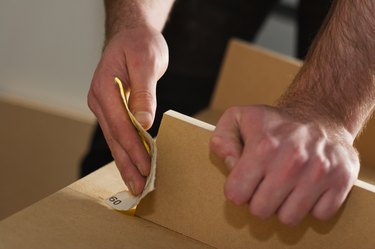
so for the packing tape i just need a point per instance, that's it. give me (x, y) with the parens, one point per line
(125, 200)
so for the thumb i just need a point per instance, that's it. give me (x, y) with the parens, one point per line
(142, 103)
(226, 141)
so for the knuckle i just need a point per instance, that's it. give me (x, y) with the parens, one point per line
(288, 219)
(94, 88)
(122, 167)
(295, 163)
(315, 131)
(143, 96)
(128, 172)
(91, 103)
(132, 150)
(266, 145)
(298, 155)
(293, 213)
(345, 175)
(323, 214)
(259, 210)
(231, 194)
(344, 178)
(218, 146)
(124, 172)
(148, 57)
(233, 111)
(91, 99)
(93, 95)
(321, 168)
(127, 142)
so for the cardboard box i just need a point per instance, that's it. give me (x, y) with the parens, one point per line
(189, 199)
(40, 151)
(188, 208)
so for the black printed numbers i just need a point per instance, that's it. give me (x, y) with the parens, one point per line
(114, 200)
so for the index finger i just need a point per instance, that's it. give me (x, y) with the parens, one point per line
(123, 131)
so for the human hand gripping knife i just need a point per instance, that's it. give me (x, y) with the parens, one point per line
(125, 200)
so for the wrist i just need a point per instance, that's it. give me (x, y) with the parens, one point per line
(139, 32)
(306, 102)
(336, 83)
(316, 116)
(131, 14)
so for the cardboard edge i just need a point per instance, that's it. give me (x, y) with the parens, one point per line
(365, 185)
(358, 183)
(265, 51)
(190, 120)
(165, 210)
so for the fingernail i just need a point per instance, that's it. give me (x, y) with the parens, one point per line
(143, 171)
(144, 118)
(130, 185)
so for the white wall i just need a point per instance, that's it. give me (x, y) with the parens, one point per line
(49, 50)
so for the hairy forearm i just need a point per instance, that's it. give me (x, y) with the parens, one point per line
(132, 13)
(336, 83)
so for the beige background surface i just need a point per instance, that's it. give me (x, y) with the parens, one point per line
(40, 152)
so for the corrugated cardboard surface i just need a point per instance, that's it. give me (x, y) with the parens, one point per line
(189, 199)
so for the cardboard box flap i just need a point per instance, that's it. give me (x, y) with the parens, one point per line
(189, 199)
(74, 219)
(251, 75)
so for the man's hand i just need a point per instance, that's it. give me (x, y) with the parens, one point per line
(279, 165)
(298, 158)
(139, 57)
